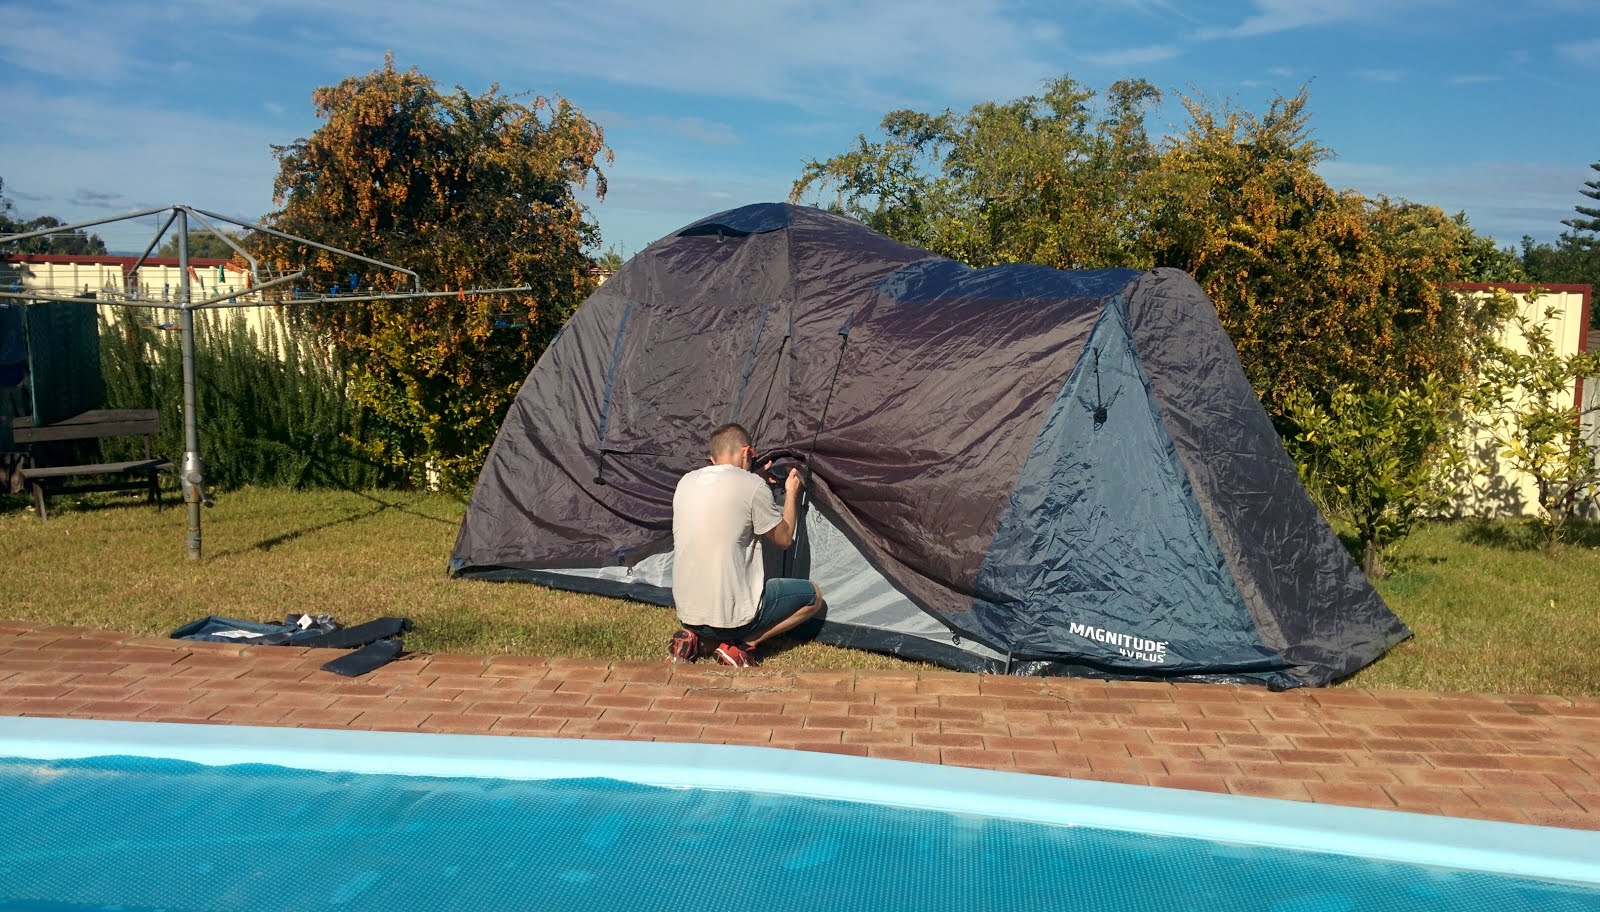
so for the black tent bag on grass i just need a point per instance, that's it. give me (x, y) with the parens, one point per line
(1014, 469)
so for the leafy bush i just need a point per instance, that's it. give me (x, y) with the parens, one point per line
(272, 407)
(1377, 457)
(1526, 405)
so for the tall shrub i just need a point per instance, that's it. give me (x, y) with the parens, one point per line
(272, 407)
(470, 191)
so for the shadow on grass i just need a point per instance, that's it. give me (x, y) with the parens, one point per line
(1398, 564)
(1505, 534)
(89, 502)
(1583, 534)
(387, 505)
(294, 534)
(333, 483)
(800, 636)
(380, 507)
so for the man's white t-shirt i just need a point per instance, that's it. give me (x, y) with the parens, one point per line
(718, 514)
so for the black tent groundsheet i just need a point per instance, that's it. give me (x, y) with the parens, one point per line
(1012, 469)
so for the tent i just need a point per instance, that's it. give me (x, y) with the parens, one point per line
(1014, 469)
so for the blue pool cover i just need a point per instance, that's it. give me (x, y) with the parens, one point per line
(137, 834)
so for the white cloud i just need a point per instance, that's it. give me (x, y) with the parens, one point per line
(1467, 79)
(648, 206)
(54, 42)
(1503, 199)
(93, 157)
(1385, 76)
(1154, 53)
(684, 195)
(1581, 52)
(1274, 16)
(696, 129)
(810, 53)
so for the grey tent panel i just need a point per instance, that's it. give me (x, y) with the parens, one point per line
(863, 607)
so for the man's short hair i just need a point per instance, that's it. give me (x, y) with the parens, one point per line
(726, 440)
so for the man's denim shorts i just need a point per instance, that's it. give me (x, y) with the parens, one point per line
(779, 601)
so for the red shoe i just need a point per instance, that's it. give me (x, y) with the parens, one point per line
(685, 647)
(739, 655)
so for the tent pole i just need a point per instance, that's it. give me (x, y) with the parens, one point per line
(805, 493)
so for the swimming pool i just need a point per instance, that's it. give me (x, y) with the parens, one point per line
(154, 815)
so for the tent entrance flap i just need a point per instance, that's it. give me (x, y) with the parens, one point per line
(1102, 554)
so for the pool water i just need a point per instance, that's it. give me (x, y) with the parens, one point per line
(136, 834)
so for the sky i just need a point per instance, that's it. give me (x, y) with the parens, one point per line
(108, 107)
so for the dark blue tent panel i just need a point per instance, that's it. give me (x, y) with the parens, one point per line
(1102, 552)
(1012, 469)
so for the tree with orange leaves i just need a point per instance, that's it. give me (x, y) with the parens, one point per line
(470, 191)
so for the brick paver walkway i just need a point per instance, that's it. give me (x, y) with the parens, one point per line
(1526, 759)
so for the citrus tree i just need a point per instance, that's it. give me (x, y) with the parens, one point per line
(1381, 458)
(1527, 406)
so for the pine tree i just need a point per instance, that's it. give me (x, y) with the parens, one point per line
(1591, 220)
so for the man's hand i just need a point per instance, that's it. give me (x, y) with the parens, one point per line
(783, 533)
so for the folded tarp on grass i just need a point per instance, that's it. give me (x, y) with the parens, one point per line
(373, 644)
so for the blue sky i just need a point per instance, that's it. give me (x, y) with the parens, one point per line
(108, 107)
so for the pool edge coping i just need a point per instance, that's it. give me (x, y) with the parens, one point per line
(1510, 849)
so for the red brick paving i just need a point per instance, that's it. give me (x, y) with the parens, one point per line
(1524, 758)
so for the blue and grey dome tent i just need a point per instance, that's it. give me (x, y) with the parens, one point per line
(1012, 469)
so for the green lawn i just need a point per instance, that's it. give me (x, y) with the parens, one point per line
(118, 564)
(1489, 612)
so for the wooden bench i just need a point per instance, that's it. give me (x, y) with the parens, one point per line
(110, 476)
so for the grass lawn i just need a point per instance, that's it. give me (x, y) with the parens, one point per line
(117, 564)
(1489, 612)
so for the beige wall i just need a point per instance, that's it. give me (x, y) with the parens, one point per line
(1502, 490)
(107, 279)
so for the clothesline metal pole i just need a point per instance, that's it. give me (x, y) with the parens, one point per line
(192, 478)
(192, 474)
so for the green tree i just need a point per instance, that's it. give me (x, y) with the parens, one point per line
(1525, 403)
(272, 405)
(1054, 178)
(1316, 287)
(1571, 260)
(1378, 457)
(1590, 220)
(468, 191)
(609, 260)
(71, 242)
(202, 245)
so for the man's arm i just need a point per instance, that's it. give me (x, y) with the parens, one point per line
(782, 534)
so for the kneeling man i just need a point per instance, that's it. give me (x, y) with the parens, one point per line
(719, 513)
